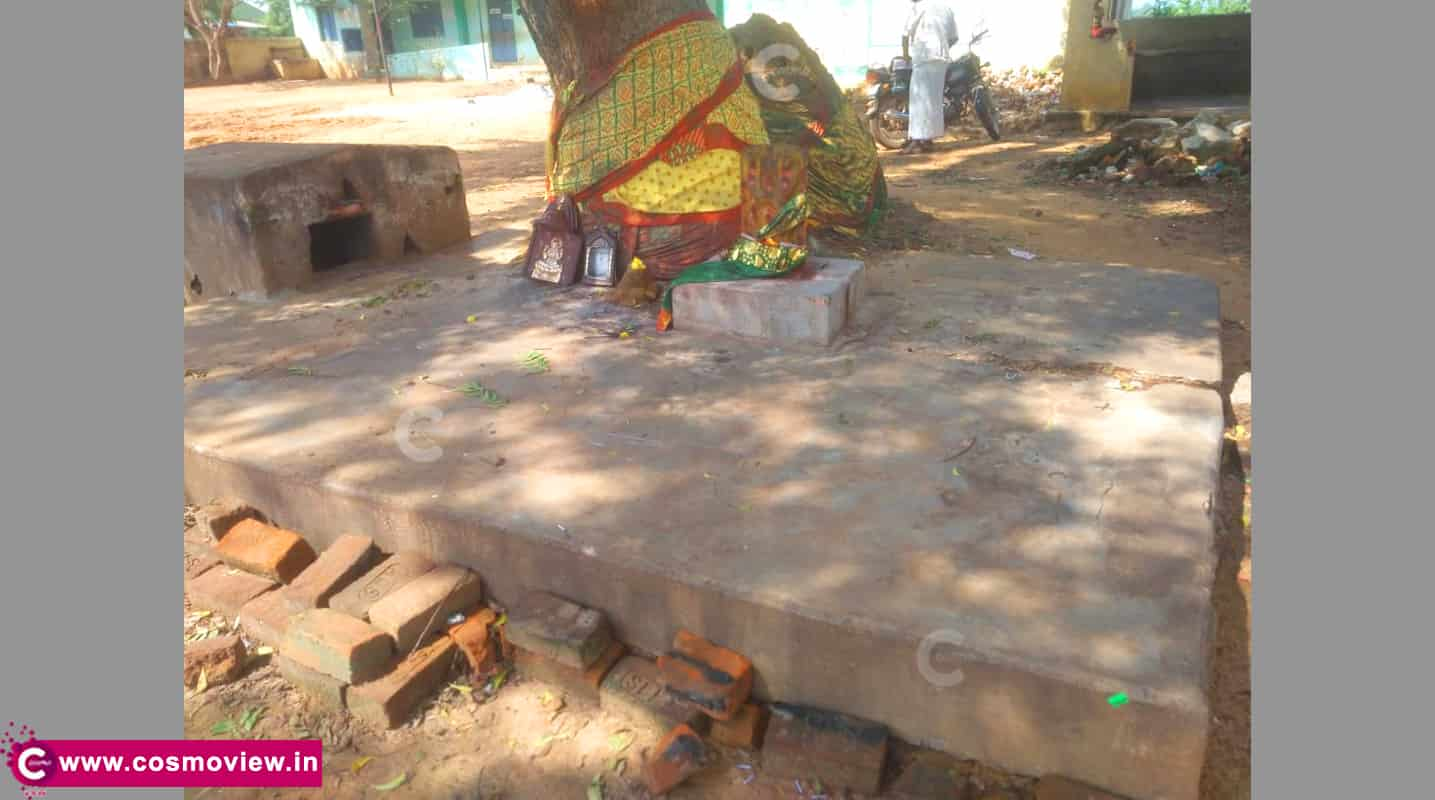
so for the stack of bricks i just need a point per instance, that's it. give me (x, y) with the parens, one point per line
(354, 630)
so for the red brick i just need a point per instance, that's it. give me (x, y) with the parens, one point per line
(265, 550)
(226, 590)
(473, 639)
(581, 685)
(338, 645)
(839, 750)
(676, 758)
(1055, 787)
(745, 730)
(377, 583)
(221, 659)
(559, 630)
(930, 775)
(199, 557)
(714, 679)
(346, 560)
(388, 701)
(214, 519)
(634, 689)
(327, 692)
(265, 619)
(416, 612)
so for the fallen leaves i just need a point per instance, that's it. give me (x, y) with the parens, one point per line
(391, 785)
(359, 763)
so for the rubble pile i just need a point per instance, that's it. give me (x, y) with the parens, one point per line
(1210, 147)
(1024, 96)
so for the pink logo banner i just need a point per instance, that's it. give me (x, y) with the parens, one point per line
(78, 763)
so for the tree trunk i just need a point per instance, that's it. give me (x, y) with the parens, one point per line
(583, 38)
(218, 57)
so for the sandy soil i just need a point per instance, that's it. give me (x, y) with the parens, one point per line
(972, 196)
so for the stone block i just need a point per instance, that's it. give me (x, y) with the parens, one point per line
(1056, 787)
(215, 518)
(417, 611)
(377, 583)
(745, 730)
(634, 689)
(559, 630)
(675, 759)
(260, 218)
(581, 685)
(837, 749)
(344, 562)
(221, 659)
(265, 619)
(388, 701)
(811, 306)
(297, 69)
(711, 678)
(226, 590)
(328, 692)
(338, 645)
(265, 550)
(929, 775)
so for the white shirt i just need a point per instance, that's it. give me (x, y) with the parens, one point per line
(931, 31)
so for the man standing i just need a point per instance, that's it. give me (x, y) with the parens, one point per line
(930, 34)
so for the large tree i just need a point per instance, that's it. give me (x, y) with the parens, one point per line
(208, 21)
(579, 38)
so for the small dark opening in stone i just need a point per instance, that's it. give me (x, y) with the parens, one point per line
(351, 195)
(195, 287)
(341, 241)
(411, 248)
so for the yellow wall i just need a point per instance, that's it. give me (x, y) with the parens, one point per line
(249, 58)
(1097, 73)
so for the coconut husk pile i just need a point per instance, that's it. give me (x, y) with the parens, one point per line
(1213, 146)
(1024, 96)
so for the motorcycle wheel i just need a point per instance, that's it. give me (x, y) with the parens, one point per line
(986, 110)
(890, 135)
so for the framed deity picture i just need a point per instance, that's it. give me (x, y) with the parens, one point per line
(600, 259)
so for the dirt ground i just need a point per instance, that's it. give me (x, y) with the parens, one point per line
(971, 197)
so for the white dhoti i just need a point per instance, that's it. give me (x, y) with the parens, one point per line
(924, 104)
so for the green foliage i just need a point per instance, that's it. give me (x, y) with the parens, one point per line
(1192, 8)
(279, 18)
(480, 392)
(535, 363)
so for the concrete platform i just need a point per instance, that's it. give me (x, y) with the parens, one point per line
(843, 516)
(261, 217)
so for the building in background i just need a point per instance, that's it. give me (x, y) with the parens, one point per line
(1154, 58)
(480, 39)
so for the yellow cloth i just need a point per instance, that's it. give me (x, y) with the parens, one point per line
(709, 182)
(657, 84)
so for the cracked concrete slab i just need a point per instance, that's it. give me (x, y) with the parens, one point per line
(886, 530)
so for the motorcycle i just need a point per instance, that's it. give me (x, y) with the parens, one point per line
(888, 89)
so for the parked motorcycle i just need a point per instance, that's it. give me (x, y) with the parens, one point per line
(888, 89)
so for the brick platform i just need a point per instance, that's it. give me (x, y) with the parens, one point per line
(811, 306)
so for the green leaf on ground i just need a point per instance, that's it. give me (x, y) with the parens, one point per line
(621, 741)
(1118, 700)
(535, 363)
(375, 301)
(595, 789)
(478, 391)
(250, 719)
(301, 371)
(393, 784)
(360, 763)
(619, 765)
(222, 728)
